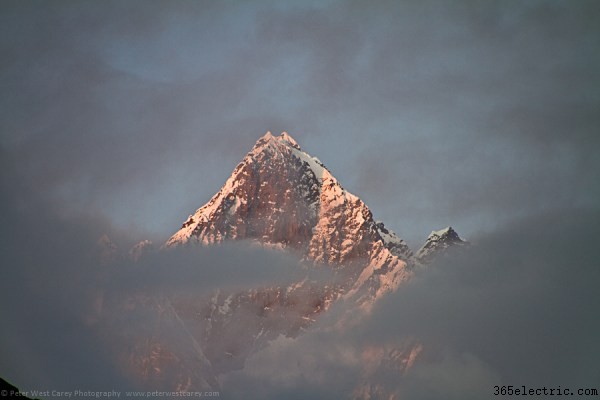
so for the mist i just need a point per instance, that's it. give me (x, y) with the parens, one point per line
(64, 289)
(517, 308)
(119, 120)
(422, 110)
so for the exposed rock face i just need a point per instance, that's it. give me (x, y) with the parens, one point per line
(281, 196)
(393, 243)
(271, 197)
(238, 324)
(437, 244)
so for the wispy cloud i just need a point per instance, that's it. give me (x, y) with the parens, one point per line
(513, 310)
(123, 118)
(108, 103)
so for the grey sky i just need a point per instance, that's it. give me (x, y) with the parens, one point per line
(124, 117)
(57, 290)
(435, 113)
(512, 310)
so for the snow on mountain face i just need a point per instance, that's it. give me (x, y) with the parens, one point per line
(271, 196)
(437, 243)
(393, 243)
(279, 195)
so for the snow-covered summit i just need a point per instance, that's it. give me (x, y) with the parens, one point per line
(447, 234)
(280, 195)
(437, 243)
(284, 138)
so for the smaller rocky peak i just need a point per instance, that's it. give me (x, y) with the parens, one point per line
(437, 243)
(447, 234)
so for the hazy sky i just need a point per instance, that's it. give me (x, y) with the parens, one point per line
(123, 117)
(511, 311)
(439, 113)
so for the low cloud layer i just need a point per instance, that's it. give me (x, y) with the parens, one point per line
(517, 308)
(423, 110)
(122, 118)
(57, 276)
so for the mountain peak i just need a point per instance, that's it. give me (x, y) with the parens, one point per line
(284, 139)
(281, 196)
(267, 136)
(446, 232)
(437, 243)
(289, 139)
